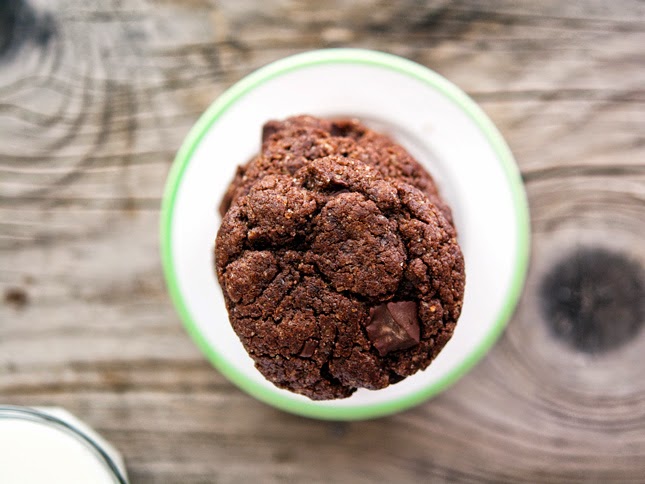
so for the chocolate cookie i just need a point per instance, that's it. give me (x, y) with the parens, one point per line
(335, 276)
(290, 144)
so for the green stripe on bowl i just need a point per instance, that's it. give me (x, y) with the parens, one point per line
(393, 63)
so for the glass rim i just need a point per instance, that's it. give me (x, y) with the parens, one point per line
(8, 412)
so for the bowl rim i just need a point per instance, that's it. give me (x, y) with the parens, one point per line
(401, 66)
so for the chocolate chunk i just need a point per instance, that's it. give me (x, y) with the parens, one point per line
(405, 313)
(308, 348)
(268, 129)
(394, 326)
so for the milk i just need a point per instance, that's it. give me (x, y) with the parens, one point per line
(35, 452)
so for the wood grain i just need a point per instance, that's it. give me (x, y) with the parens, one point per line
(95, 98)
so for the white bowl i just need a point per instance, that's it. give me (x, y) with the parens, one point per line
(438, 124)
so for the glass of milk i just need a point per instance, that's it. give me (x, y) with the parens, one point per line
(50, 447)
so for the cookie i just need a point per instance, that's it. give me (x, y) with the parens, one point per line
(335, 275)
(290, 144)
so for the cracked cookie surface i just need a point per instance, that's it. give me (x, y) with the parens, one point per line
(290, 144)
(337, 276)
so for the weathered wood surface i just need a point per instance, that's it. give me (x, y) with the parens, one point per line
(95, 98)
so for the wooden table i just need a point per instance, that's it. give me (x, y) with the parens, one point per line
(95, 98)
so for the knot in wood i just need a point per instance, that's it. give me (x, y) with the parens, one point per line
(594, 299)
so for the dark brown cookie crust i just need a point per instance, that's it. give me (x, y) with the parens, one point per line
(290, 144)
(307, 252)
